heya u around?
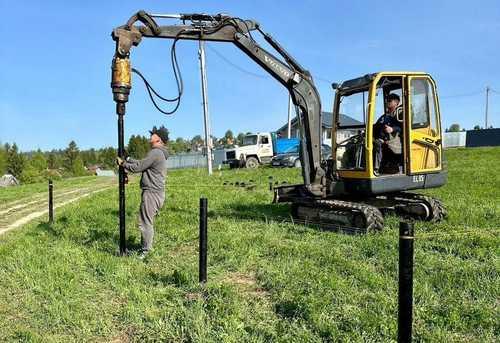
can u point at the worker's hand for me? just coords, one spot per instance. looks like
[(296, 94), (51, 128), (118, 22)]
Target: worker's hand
[(388, 129), (119, 161)]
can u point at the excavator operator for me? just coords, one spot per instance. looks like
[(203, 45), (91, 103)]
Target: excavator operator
[(386, 134)]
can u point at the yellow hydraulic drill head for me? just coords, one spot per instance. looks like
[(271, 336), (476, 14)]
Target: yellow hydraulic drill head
[(121, 82)]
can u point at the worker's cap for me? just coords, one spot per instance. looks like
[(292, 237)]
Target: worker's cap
[(393, 96), (161, 132)]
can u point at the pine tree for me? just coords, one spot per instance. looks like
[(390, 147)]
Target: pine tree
[(54, 160), (3, 160), (73, 161), (107, 157), (15, 161), (70, 154), (78, 169), (89, 157), (38, 161), (30, 173), (138, 147)]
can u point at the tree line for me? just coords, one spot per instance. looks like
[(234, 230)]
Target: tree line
[(37, 166), (197, 142)]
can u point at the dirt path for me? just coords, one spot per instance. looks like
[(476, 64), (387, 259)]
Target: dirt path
[(19, 212), (21, 204)]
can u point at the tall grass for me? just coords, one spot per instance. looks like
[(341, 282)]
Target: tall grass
[(267, 280)]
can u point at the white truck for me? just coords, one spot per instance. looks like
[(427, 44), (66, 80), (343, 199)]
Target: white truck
[(257, 149)]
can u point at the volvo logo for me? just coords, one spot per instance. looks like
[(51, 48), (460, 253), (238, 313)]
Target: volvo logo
[(276, 65)]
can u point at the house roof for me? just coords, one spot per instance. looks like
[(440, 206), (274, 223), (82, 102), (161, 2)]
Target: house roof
[(327, 119), (8, 180)]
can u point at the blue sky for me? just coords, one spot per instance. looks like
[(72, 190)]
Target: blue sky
[(56, 55)]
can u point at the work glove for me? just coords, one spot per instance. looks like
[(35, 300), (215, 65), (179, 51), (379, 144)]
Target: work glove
[(119, 161)]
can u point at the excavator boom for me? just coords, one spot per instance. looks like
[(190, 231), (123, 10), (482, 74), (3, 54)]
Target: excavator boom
[(224, 28)]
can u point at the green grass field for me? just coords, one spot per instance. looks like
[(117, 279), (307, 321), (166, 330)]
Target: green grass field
[(268, 280), (15, 193)]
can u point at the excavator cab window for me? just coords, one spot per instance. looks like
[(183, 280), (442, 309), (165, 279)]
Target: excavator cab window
[(388, 148), (423, 112), (351, 128)]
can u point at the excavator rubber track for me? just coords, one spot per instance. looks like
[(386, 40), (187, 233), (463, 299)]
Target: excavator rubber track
[(344, 215), (435, 210)]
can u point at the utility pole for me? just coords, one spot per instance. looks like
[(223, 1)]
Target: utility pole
[(486, 112), (208, 138), (289, 131)]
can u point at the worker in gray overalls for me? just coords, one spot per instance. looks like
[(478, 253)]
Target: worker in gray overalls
[(154, 169)]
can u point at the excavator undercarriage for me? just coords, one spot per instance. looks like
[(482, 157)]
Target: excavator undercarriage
[(359, 214)]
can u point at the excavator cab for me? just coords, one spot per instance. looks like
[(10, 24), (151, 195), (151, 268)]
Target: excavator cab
[(371, 161), (371, 169)]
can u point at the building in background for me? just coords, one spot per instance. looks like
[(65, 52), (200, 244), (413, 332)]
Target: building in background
[(104, 172), (454, 139), (8, 180), (326, 128)]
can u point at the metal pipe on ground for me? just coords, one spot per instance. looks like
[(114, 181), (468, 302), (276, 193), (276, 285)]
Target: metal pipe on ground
[(121, 178), (405, 294), (202, 272)]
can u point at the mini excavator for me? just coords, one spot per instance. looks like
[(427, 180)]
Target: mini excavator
[(344, 190)]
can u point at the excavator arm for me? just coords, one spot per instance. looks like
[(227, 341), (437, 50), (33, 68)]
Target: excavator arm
[(223, 28)]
